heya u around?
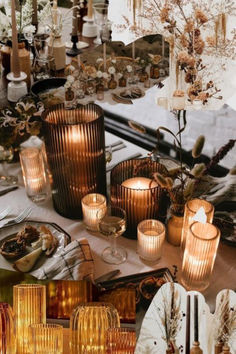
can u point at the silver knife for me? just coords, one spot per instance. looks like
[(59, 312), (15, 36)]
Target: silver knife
[(138, 154), (107, 276), (7, 190)]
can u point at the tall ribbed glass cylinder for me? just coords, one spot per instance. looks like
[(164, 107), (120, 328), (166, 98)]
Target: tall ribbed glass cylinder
[(199, 256), (45, 339), (7, 330), (29, 304), (133, 189), (121, 341), (75, 146), (88, 326), (191, 209)]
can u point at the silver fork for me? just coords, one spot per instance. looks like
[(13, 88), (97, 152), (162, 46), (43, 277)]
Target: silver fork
[(4, 213), (22, 216)]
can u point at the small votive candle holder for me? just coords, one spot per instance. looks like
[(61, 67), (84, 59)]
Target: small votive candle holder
[(199, 256), (46, 338), (34, 174), (151, 236), (29, 305), (195, 210), (7, 330), (91, 204), (120, 340)]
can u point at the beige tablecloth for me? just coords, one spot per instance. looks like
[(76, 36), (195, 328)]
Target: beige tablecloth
[(225, 266)]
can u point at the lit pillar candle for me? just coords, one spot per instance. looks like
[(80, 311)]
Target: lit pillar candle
[(151, 235), (199, 255), (91, 204), (195, 210), (46, 338), (90, 8), (75, 18), (15, 55)]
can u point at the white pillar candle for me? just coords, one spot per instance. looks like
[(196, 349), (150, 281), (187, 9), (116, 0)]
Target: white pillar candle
[(151, 235), (91, 204)]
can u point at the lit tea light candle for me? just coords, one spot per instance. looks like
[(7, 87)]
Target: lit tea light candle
[(91, 204), (199, 255), (195, 210), (151, 235)]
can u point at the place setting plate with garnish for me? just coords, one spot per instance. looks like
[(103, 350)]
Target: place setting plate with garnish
[(30, 245)]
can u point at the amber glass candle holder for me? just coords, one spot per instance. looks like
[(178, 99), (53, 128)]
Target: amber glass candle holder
[(195, 210), (133, 189), (7, 330), (45, 339), (88, 326), (199, 256), (120, 341), (29, 304), (63, 296), (91, 204), (151, 236), (75, 147)]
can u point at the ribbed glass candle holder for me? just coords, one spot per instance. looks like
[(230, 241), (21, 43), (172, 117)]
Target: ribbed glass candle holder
[(133, 189), (199, 256), (194, 211), (7, 330), (120, 341), (75, 146), (91, 204), (151, 236), (34, 174), (45, 339), (29, 304), (63, 296), (88, 326)]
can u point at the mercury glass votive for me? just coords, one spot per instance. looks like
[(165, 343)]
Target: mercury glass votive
[(88, 326), (29, 304), (120, 340), (34, 174), (7, 330), (151, 236), (195, 210), (75, 147), (91, 204), (199, 256), (45, 338), (134, 190)]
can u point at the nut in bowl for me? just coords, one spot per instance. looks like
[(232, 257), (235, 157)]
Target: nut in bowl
[(27, 246)]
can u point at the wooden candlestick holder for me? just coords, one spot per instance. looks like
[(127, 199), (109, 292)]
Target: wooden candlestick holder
[(196, 348)]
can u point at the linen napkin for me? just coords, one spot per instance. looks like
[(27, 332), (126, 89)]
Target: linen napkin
[(74, 263)]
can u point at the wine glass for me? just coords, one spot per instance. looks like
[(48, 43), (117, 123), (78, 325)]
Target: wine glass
[(112, 224), (6, 155), (29, 36), (100, 11)]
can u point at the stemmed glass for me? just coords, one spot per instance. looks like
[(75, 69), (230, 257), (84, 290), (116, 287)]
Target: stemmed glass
[(112, 224), (6, 155), (100, 11), (29, 36)]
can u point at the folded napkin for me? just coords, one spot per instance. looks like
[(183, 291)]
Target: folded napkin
[(74, 263)]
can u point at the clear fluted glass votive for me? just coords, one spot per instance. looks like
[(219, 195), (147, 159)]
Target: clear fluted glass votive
[(88, 326), (45, 339), (195, 210), (199, 255), (91, 204), (34, 174), (120, 340), (29, 304), (75, 147), (151, 236), (7, 329), (134, 190)]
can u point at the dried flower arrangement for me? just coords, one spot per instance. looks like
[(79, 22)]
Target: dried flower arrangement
[(198, 40)]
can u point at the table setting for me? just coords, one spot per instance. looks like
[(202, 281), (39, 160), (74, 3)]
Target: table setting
[(105, 246)]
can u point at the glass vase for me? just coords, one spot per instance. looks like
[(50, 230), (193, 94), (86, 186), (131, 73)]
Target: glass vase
[(75, 147), (7, 330), (88, 326)]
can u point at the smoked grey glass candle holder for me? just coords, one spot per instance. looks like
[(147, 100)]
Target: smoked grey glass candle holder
[(75, 147)]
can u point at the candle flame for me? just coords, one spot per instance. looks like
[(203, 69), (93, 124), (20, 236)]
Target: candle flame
[(200, 216)]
